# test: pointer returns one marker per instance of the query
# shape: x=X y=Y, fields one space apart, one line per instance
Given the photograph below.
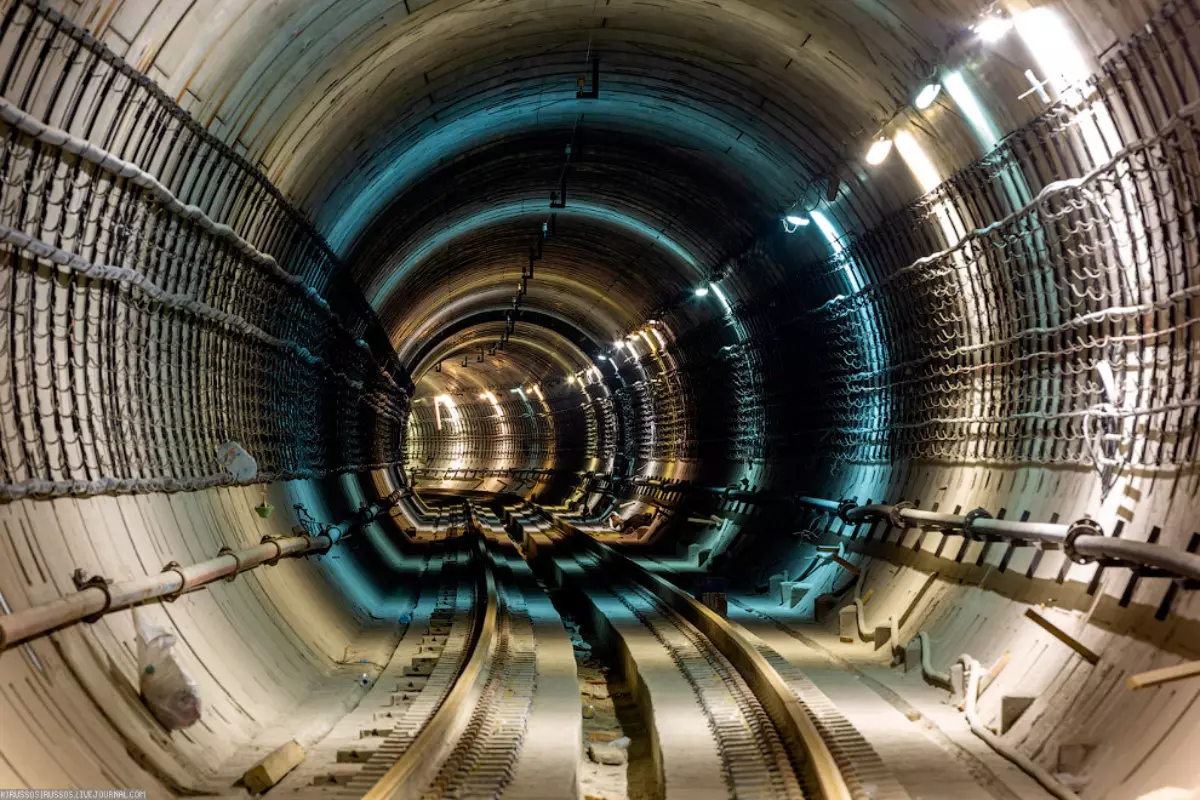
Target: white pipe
x=1048 y=781
x=865 y=630
x=974 y=669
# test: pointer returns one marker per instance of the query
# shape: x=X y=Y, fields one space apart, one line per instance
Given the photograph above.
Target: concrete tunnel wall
x=263 y=644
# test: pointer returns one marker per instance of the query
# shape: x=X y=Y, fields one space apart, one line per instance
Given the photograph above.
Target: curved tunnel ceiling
x=999 y=318
x=427 y=144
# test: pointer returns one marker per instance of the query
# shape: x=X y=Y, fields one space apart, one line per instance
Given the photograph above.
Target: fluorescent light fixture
x=792 y=222
x=829 y=232
x=927 y=95
x=701 y=291
x=491 y=398
x=993 y=27
x=1052 y=44
x=721 y=296
x=448 y=402
x=969 y=105
x=879 y=151
x=916 y=159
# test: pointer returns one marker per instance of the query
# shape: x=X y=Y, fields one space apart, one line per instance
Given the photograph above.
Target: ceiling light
x=993 y=27
x=570 y=379
x=879 y=151
x=701 y=291
x=927 y=95
x=793 y=221
x=602 y=357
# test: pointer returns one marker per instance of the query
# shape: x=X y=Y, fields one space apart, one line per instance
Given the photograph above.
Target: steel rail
x=796 y=729
x=1083 y=541
x=412 y=773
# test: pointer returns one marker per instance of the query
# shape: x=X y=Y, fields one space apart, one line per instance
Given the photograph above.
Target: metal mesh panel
x=144 y=321
x=995 y=306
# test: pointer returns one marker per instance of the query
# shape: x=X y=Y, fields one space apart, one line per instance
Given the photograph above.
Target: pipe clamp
x=894 y=513
x=1082 y=527
x=174 y=566
x=278 y=550
x=94 y=582
x=228 y=551
x=968 y=523
x=843 y=511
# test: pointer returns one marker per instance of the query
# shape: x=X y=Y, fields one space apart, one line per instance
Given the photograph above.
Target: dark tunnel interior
x=418 y=370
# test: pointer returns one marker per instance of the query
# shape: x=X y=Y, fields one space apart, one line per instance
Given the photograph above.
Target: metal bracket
x=268 y=539
x=228 y=551
x=174 y=566
x=94 y=582
x=843 y=511
x=894 y=514
x=969 y=520
x=1082 y=527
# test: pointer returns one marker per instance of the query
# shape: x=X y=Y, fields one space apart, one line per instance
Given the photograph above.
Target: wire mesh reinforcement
x=159 y=296
x=1038 y=307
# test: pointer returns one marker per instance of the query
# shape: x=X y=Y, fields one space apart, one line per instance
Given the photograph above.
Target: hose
x=973 y=670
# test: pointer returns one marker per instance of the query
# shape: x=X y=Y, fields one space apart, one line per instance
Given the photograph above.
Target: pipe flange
x=174 y=566
x=278 y=550
x=843 y=511
x=1083 y=527
x=968 y=524
x=94 y=582
x=228 y=551
x=894 y=516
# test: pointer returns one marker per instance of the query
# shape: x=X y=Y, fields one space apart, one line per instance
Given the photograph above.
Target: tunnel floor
x=535 y=662
x=600 y=399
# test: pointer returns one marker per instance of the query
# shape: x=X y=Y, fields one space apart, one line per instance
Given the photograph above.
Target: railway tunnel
x=600 y=399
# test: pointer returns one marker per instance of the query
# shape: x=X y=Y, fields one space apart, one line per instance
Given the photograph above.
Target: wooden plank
x=272 y=769
x=1188 y=669
x=1063 y=636
x=995 y=671
x=850 y=567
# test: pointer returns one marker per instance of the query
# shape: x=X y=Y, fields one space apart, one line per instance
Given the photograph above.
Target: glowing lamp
x=927 y=95
x=879 y=151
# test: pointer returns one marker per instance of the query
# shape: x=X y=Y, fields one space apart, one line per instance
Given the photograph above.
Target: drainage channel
x=615 y=754
x=754 y=761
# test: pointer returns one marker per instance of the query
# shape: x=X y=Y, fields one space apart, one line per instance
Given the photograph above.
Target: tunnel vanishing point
x=600 y=399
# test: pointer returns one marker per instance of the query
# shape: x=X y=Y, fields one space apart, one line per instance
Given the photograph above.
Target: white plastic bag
x=237 y=461
x=168 y=691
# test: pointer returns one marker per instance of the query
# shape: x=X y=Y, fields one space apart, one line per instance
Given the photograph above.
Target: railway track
x=460 y=712
x=755 y=763
x=484 y=759
x=461 y=732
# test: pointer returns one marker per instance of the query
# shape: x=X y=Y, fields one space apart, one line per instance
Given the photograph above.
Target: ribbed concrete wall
x=296 y=88
x=258 y=647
